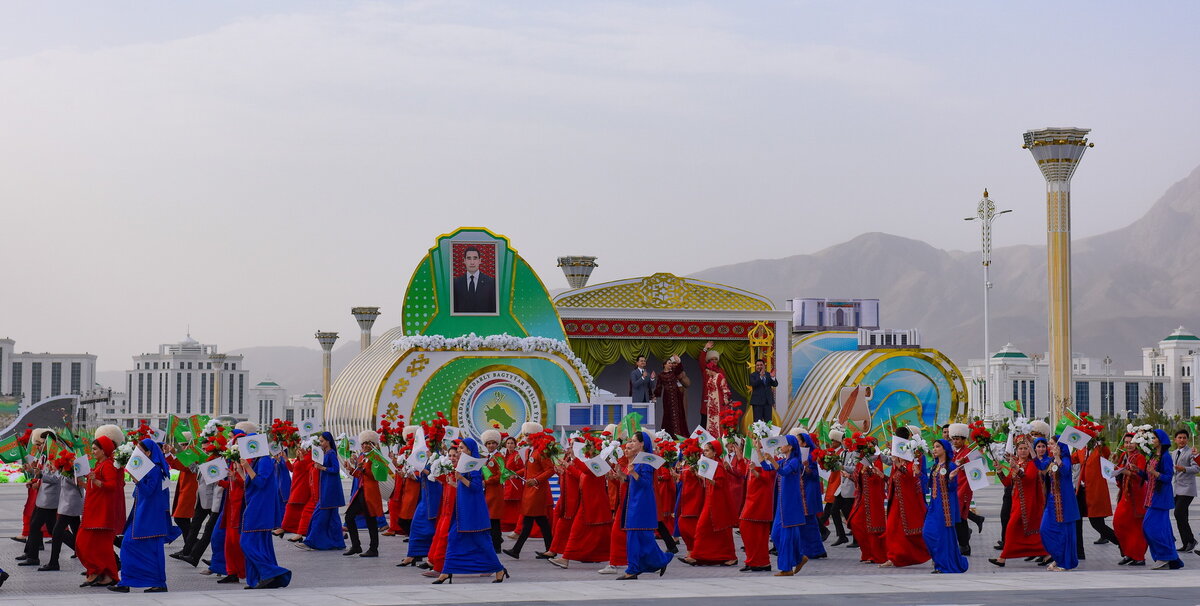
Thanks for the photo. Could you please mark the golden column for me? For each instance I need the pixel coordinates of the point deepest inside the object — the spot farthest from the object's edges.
(1058, 152)
(218, 362)
(326, 339)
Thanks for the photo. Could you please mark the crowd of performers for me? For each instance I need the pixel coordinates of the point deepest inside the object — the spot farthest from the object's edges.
(621, 491)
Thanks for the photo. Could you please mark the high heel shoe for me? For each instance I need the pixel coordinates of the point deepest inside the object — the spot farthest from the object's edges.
(503, 574)
(448, 579)
(407, 562)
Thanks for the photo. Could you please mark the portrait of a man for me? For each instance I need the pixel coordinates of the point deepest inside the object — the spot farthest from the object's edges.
(474, 287)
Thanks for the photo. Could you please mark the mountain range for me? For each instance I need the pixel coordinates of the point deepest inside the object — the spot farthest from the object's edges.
(1131, 287)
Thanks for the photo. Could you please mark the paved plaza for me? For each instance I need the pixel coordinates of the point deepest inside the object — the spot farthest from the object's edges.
(329, 579)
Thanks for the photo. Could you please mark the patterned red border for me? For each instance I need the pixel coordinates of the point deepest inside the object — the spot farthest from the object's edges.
(646, 329)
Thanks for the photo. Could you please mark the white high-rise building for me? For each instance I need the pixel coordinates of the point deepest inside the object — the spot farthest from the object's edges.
(182, 379)
(267, 402)
(1167, 374)
(33, 377)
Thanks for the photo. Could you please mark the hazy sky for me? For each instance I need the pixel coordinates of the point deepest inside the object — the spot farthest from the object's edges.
(255, 169)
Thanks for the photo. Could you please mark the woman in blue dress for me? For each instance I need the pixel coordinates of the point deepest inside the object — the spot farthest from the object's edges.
(424, 522)
(258, 520)
(641, 513)
(810, 533)
(148, 529)
(325, 528)
(943, 512)
(469, 548)
(1160, 471)
(1062, 510)
(790, 502)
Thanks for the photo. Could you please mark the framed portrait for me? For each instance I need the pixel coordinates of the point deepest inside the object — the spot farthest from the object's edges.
(473, 289)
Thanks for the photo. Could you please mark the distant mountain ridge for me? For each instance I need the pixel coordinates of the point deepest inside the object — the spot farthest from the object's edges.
(1130, 287)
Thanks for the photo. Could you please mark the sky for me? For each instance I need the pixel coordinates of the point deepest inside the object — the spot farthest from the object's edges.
(254, 169)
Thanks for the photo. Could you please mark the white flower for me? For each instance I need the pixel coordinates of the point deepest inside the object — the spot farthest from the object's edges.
(761, 429)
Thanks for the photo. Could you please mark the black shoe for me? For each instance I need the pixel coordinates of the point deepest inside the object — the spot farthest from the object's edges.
(997, 562)
(501, 578)
(967, 551)
(745, 568)
(352, 551)
(1175, 564)
(1045, 562)
(29, 563)
(541, 555)
(842, 540)
(449, 579)
(228, 579)
(1031, 558)
(4, 575)
(824, 534)
(17, 539)
(1138, 563)
(118, 588)
(156, 590)
(178, 555)
(274, 582)
(21, 557)
(206, 562)
(194, 560)
(1189, 545)
(1103, 541)
(979, 523)
(370, 553)
(1082, 557)
(1125, 560)
(50, 567)
(999, 546)
(516, 555)
(852, 545)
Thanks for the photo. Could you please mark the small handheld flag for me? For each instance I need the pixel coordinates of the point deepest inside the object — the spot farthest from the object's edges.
(902, 448)
(467, 464)
(214, 471)
(250, 447)
(138, 465)
(976, 473)
(652, 460)
(1108, 469)
(598, 466)
(1074, 438)
(706, 468)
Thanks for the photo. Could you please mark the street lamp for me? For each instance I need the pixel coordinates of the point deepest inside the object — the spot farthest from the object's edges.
(986, 213)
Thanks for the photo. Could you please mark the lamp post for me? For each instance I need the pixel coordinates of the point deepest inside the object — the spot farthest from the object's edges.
(326, 339)
(986, 213)
(365, 316)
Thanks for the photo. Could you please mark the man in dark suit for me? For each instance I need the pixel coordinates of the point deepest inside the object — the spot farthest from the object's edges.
(641, 382)
(474, 291)
(762, 392)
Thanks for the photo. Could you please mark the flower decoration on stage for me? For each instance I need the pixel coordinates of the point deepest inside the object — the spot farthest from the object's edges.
(64, 463)
(142, 432)
(122, 454)
(691, 451)
(285, 434)
(829, 459)
(501, 342)
(544, 444)
(668, 449)
(1143, 438)
(391, 426)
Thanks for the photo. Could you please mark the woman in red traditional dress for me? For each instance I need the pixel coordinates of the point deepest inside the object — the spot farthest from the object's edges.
(1022, 536)
(618, 557)
(512, 488)
(310, 507)
(714, 527)
(714, 395)
(758, 512)
(868, 520)
(300, 494)
(568, 504)
(592, 523)
(103, 517)
(906, 513)
(691, 503)
(1131, 504)
(235, 559)
(664, 497)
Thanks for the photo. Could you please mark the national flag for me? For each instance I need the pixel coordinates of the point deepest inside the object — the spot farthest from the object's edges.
(343, 447)
(803, 423)
(190, 455)
(11, 450)
(379, 466)
(175, 428)
(823, 431)
(630, 425)
(1013, 405)
(196, 423)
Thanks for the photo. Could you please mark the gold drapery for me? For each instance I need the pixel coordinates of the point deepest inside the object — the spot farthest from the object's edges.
(735, 356)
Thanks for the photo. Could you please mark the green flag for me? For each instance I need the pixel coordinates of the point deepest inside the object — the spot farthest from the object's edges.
(379, 466)
(803, 423)
(852, 425)
(1013, 405)
(197, 423)
(1071, 415)
(190, 455)
(343, 448)
(823, 431)
(175, 428)
(72, 441)
(631, 424)
(1063, 423)
(11, 450)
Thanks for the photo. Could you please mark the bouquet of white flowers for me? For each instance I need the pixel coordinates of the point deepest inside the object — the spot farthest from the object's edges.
(122, 453)
(1143, 438)
(761, 429)
(440, 466)
(919, 445)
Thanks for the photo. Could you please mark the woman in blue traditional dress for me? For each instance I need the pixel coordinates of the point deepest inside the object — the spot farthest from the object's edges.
(424, 522)
(790, 503)
(811, 541)
(258, 520)
(1062, 510)
(325, 529)
(469, 548)
(943, 512)
(1160, 501)
(149, 529)
(641, 513)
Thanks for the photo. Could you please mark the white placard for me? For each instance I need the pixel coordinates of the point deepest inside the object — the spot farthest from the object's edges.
(452, 433)
(417, 460)
(467, 464)
(577, 449)
(252, 447)
(1108, 469)
(598, 466)
(1074, 438)
(139, 464)
(82, 466)
(213, 471)
(976, 473)
(771, 445)
(310, 426)
(902, 448)
(318, 455)
(706, 468)
(702, 433)
(646, 458)
(824, 473)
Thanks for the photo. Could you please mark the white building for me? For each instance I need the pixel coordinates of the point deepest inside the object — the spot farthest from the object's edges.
(307, 406)
(181, 379)
(1167, 372)
(268, 399)
(33, 377)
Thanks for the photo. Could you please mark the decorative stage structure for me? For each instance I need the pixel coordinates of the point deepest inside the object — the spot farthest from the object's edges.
(1058, 152)
(483, 343)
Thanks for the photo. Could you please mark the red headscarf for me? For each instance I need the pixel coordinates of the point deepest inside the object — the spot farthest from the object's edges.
(716, 446)
(106, 444)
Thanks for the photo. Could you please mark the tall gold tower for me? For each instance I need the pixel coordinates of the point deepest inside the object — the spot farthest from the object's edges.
(1057, 152)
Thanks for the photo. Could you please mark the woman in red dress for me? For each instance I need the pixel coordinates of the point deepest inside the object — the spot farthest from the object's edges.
(868, 520)
(618, 556)
(441, 533)
(103, 517)
(513, 487)
(1131, 504)
(235, 560)
(300, 493)
(664, 496)
(758, 512)
(1022, 536)
(714, 527)
(568, 504)
(592, 523)
(906, 514)
(310, 507)
(691, 502)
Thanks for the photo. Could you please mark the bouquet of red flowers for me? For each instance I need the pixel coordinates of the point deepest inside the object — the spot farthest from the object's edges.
(391, 426)
(544, 444)
(731, 421)
(214, 445)
(142, 432)
(691, 451)
(863, 443)
(829, 460)
(284, 433)
(435, 431)
(980, 435)
(64, 463)
(667, 449)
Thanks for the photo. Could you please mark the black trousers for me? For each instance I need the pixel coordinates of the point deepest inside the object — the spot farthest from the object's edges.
(201, 544)
(665, 534)
(963, 531)
(497, 540)
(1182, 504)
(1005, 511)
(761, 413)
(184, 524)
(65, 529)
(39, 519)
(359, 507)
(831, 511)
(194, 526)
(527, 528)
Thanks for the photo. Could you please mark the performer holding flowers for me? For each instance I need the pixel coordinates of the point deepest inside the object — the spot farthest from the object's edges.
(365, 499)
(1131, 502)
(639, 513)
(325, 527)
(1160, 501)
(1022, 535)
(103, 515)
(943, 512)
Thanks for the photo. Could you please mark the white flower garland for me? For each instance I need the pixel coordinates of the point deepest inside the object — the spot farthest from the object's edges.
(501, 342)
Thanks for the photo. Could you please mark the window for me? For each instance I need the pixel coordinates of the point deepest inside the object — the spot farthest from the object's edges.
(17, 387)
(1131, 398)
(289, 414)
(241, 395)
(55, 378)
(203, 391)
(1157, 390)
(1081, 397)
(1106, 398)
(189, 393)
(1186, 404)
(1016, 393)
(35, 376)
(76, 377)
(141, 388)
(179, 392)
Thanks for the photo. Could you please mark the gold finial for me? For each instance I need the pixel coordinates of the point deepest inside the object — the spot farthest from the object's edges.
(985, 192)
